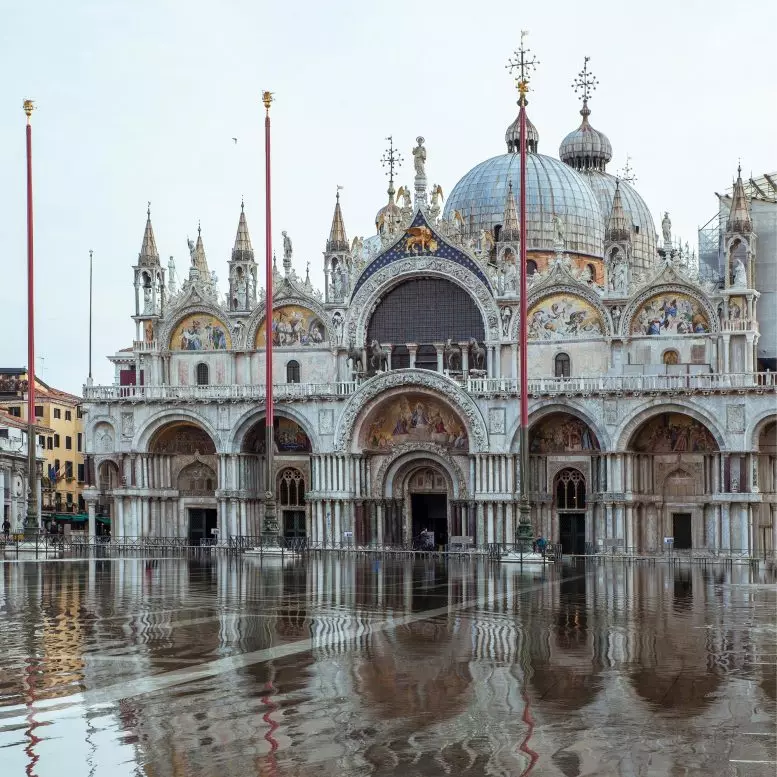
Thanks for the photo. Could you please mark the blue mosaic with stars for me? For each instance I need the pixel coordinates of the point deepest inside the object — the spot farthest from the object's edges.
(444, 251)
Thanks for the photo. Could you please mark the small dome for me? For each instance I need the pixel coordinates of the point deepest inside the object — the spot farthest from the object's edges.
(513, 137)
(586, 148)
(552, 188)
(387, 214)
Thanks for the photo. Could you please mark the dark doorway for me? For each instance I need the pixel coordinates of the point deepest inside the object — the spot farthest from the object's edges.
(681, 529)
(294, 524)
(430, 512)
(572, 531)
(201, 522)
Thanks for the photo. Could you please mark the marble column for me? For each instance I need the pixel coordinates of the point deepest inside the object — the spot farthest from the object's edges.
(710, 528)
(725, 527)
(773, 514)
(651, 527)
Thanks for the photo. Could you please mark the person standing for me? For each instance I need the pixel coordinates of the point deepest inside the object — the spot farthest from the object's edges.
(7, 530)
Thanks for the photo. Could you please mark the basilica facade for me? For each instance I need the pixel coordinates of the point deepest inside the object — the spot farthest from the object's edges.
(397, 396)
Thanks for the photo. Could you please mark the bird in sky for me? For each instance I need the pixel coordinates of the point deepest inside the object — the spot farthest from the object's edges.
(235, 139)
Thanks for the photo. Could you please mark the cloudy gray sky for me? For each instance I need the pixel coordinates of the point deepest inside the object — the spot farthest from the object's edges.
(140, 101)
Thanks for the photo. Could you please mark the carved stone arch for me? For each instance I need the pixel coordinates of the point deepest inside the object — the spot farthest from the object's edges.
(360, 403)
(366, 299)
(93, 428)
(164, 418)
(418, 454)
(570, 407)
(678, 471)
(636, 303)
(625, 433)
(171, 322)
(758, 423)
(252, 417)
(303, 301)
(582, 292)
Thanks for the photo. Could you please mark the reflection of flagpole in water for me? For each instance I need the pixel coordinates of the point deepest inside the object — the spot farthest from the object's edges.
(273, 726)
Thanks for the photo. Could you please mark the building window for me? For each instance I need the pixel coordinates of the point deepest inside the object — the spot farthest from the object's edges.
(4, 433)
(671, 357)
(41, 441)
(531, 267)
(56, 469)
(69, 443)
(56, 441)
(69, 500)
(68, 415)
(69, 470)
(203, 375)
(57, 412)
(80, 473)
(592, 272)
(39, 411)
(16, 412)
(81, 504)
(292, 372)
(562, 365)
(80, 439)
(50, 443)
(79, 414)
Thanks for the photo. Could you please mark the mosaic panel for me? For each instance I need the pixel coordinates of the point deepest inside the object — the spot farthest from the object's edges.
(670, 314)
(292, 326)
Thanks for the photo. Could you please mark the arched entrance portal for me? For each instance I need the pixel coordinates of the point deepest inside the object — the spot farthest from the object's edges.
(569, 495)
(428, 495)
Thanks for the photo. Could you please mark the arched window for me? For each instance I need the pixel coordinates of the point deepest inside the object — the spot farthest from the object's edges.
(292, 371)
(671, 357)
(426, 357)
(203, 375)
(570, 490)
(291, 488)
(531, 267)
(592, 271)
(562, 365)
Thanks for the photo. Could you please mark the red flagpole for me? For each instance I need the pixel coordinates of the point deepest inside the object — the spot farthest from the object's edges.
(31, 519)
(524, 321)
(270, 526)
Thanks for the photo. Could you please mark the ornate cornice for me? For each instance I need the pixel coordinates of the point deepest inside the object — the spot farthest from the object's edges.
(423, 379)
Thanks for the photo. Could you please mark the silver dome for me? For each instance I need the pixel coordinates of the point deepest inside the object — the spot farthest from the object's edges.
(643, 233)
(552, 188)
(586, 148)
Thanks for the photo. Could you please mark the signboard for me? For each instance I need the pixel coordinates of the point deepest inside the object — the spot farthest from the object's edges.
(668, 540)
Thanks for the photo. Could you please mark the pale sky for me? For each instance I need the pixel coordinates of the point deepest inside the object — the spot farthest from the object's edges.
(140, 101)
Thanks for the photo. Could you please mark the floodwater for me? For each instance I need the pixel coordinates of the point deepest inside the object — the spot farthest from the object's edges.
(213, 667)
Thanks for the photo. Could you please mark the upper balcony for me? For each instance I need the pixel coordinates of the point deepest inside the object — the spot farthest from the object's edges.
(485, 387)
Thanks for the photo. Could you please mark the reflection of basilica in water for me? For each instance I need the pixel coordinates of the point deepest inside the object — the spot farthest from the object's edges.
(349, 666)
(397, 385)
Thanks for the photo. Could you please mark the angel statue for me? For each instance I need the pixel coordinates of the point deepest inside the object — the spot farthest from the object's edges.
(666, 227)
(558, 231)
(419, 158)
(740, 275)
(357, 246)
(404, 193)
(286, 247)
(191, 251)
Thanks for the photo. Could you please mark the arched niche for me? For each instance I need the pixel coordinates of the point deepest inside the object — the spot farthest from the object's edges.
(672, 433)
(671, 312)
(562, 433)
(108, 476)
(288, 435)
(182, 438)
(563, 316)
(412, 417)
(200, 332)
(293, 326)
(197, 479)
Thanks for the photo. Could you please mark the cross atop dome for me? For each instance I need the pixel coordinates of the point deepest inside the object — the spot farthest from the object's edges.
(585, 84)
(523, 64)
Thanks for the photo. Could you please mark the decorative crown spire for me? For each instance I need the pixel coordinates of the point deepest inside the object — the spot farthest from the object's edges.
(148, 251)
(511, 230)
(739, 219)
(523, 64)
(585, 84)
(242, 250)
(618, 226)
(337, 237)
(391, 159)
(199, 260)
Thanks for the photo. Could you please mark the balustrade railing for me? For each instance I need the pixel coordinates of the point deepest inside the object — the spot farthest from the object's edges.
(603, 384)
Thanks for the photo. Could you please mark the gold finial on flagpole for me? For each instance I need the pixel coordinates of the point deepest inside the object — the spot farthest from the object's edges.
(267, 98)
(29, 107)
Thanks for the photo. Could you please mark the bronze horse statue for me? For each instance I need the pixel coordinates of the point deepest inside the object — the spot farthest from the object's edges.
(378, 357)
(477, 355)
(355, 357)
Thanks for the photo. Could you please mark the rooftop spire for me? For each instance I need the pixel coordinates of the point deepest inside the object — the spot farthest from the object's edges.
(511, 230)
(148, 251)
(337, 237)
(198, 258)
(585, 84)
(391, 159)
(739, 219)
(242, 250)
(618, 230)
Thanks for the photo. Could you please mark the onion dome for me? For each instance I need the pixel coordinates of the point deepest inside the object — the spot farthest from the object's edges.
(586, 148)
(389, 214)
(552, 188)
(513, 137)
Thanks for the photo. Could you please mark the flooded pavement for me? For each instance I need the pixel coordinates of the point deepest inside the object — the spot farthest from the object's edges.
(357, 666)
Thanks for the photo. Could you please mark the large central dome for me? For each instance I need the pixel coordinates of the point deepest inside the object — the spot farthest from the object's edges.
(552, 188)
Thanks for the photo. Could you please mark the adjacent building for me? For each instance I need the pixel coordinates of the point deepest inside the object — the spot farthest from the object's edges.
(62, 443)
(397, 385)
